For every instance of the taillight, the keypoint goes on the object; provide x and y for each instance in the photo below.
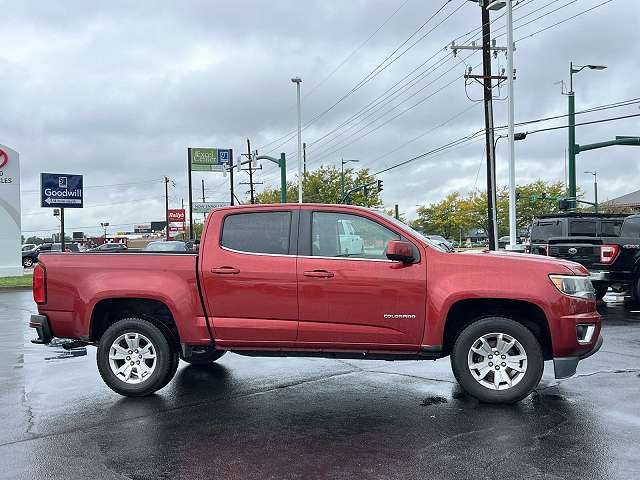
(608, 253)
(39, 284)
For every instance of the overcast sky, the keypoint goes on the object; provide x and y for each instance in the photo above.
(118, 90)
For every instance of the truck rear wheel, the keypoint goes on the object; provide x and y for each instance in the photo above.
(135, 358)
(497, 360)
(204, 357)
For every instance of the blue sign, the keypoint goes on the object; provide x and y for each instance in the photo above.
(223, 156)
(58, 190)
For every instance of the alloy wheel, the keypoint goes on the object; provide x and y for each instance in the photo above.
(497, 361)
(132, 358)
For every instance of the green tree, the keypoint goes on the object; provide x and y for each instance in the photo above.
(462, 213)
(323, 185)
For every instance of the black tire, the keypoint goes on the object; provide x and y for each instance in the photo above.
(27, 262)
(601, 290)
(204, 357)
(635, 291)
(165, 360)
(471, 334)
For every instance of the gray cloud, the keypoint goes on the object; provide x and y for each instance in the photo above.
(118, 90)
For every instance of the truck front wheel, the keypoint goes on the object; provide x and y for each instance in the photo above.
(135, 358)
(497, 360)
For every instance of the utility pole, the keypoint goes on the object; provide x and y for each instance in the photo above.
(488, 124)
(166, 204)
(304, 157)
(595, 189)
(231, 179)
(250, 172)
(513, 227)
(204, 215)
(251, 162)
(486, 80)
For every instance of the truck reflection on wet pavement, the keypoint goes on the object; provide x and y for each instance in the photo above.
(313, 418)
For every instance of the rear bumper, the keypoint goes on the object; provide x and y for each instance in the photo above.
(565, 367)
(610, 276)
(41, 324)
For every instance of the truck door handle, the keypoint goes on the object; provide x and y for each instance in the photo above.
(225, 270)
(318, 274)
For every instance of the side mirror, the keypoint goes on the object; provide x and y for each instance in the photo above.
(400, 251)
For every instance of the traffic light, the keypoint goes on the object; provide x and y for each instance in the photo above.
(380, 186)
(564, 204)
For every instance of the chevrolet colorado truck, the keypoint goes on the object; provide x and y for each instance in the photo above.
(277, 280)
(612, 261)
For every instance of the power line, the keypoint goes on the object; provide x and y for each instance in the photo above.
(356, 50)
(372, 74)
(603, 120)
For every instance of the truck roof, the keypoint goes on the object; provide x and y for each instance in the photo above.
(583, 215)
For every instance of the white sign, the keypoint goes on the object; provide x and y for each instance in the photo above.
(206, 207)
(10, 222)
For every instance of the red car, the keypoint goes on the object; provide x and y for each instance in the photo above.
(275, 279)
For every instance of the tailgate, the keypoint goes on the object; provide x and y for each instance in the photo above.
(585, 251)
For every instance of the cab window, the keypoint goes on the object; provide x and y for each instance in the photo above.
(350, 236)
(259, 232)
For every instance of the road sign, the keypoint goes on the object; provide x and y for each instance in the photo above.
(206, 207)
(177, 228)
(176, 215)
(58, 190)
(210, 159)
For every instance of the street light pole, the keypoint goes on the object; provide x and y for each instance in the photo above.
(572, 129)
(595, 189)
(282, 163)
(298, 81)
(513, 228)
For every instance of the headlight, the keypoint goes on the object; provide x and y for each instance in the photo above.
(574, 286)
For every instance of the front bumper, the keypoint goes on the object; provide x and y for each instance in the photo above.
(565, 367)
(41, 324)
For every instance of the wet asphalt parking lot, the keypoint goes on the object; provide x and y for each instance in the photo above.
(267, 418)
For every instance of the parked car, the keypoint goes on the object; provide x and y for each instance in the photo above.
(545, 227)
(30, 257)
(108, 247)
(166, 246)
(350, 242)
(612, 261)
(272, 280)
(443, 242)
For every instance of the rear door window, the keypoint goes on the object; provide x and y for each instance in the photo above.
(582, 228)
(631, 228)
(610, 228)
(544, 230)
(260, 232)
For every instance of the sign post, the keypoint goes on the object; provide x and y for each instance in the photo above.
(60, 190)
(10, 221)
(207, 160)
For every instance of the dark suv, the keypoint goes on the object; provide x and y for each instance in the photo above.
(566, 225)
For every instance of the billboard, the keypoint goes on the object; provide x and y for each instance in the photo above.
(158, 226)
(176, 215)
(10, 221)
(60, 190)
(142, 228)
(77, 235)
(209, 159)
(206, 207)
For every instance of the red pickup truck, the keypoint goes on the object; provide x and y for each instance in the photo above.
(282, 280)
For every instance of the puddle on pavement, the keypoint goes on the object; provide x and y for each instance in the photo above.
(433, 400)
(60, 353)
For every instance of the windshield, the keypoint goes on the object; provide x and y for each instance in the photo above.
(415, 233)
